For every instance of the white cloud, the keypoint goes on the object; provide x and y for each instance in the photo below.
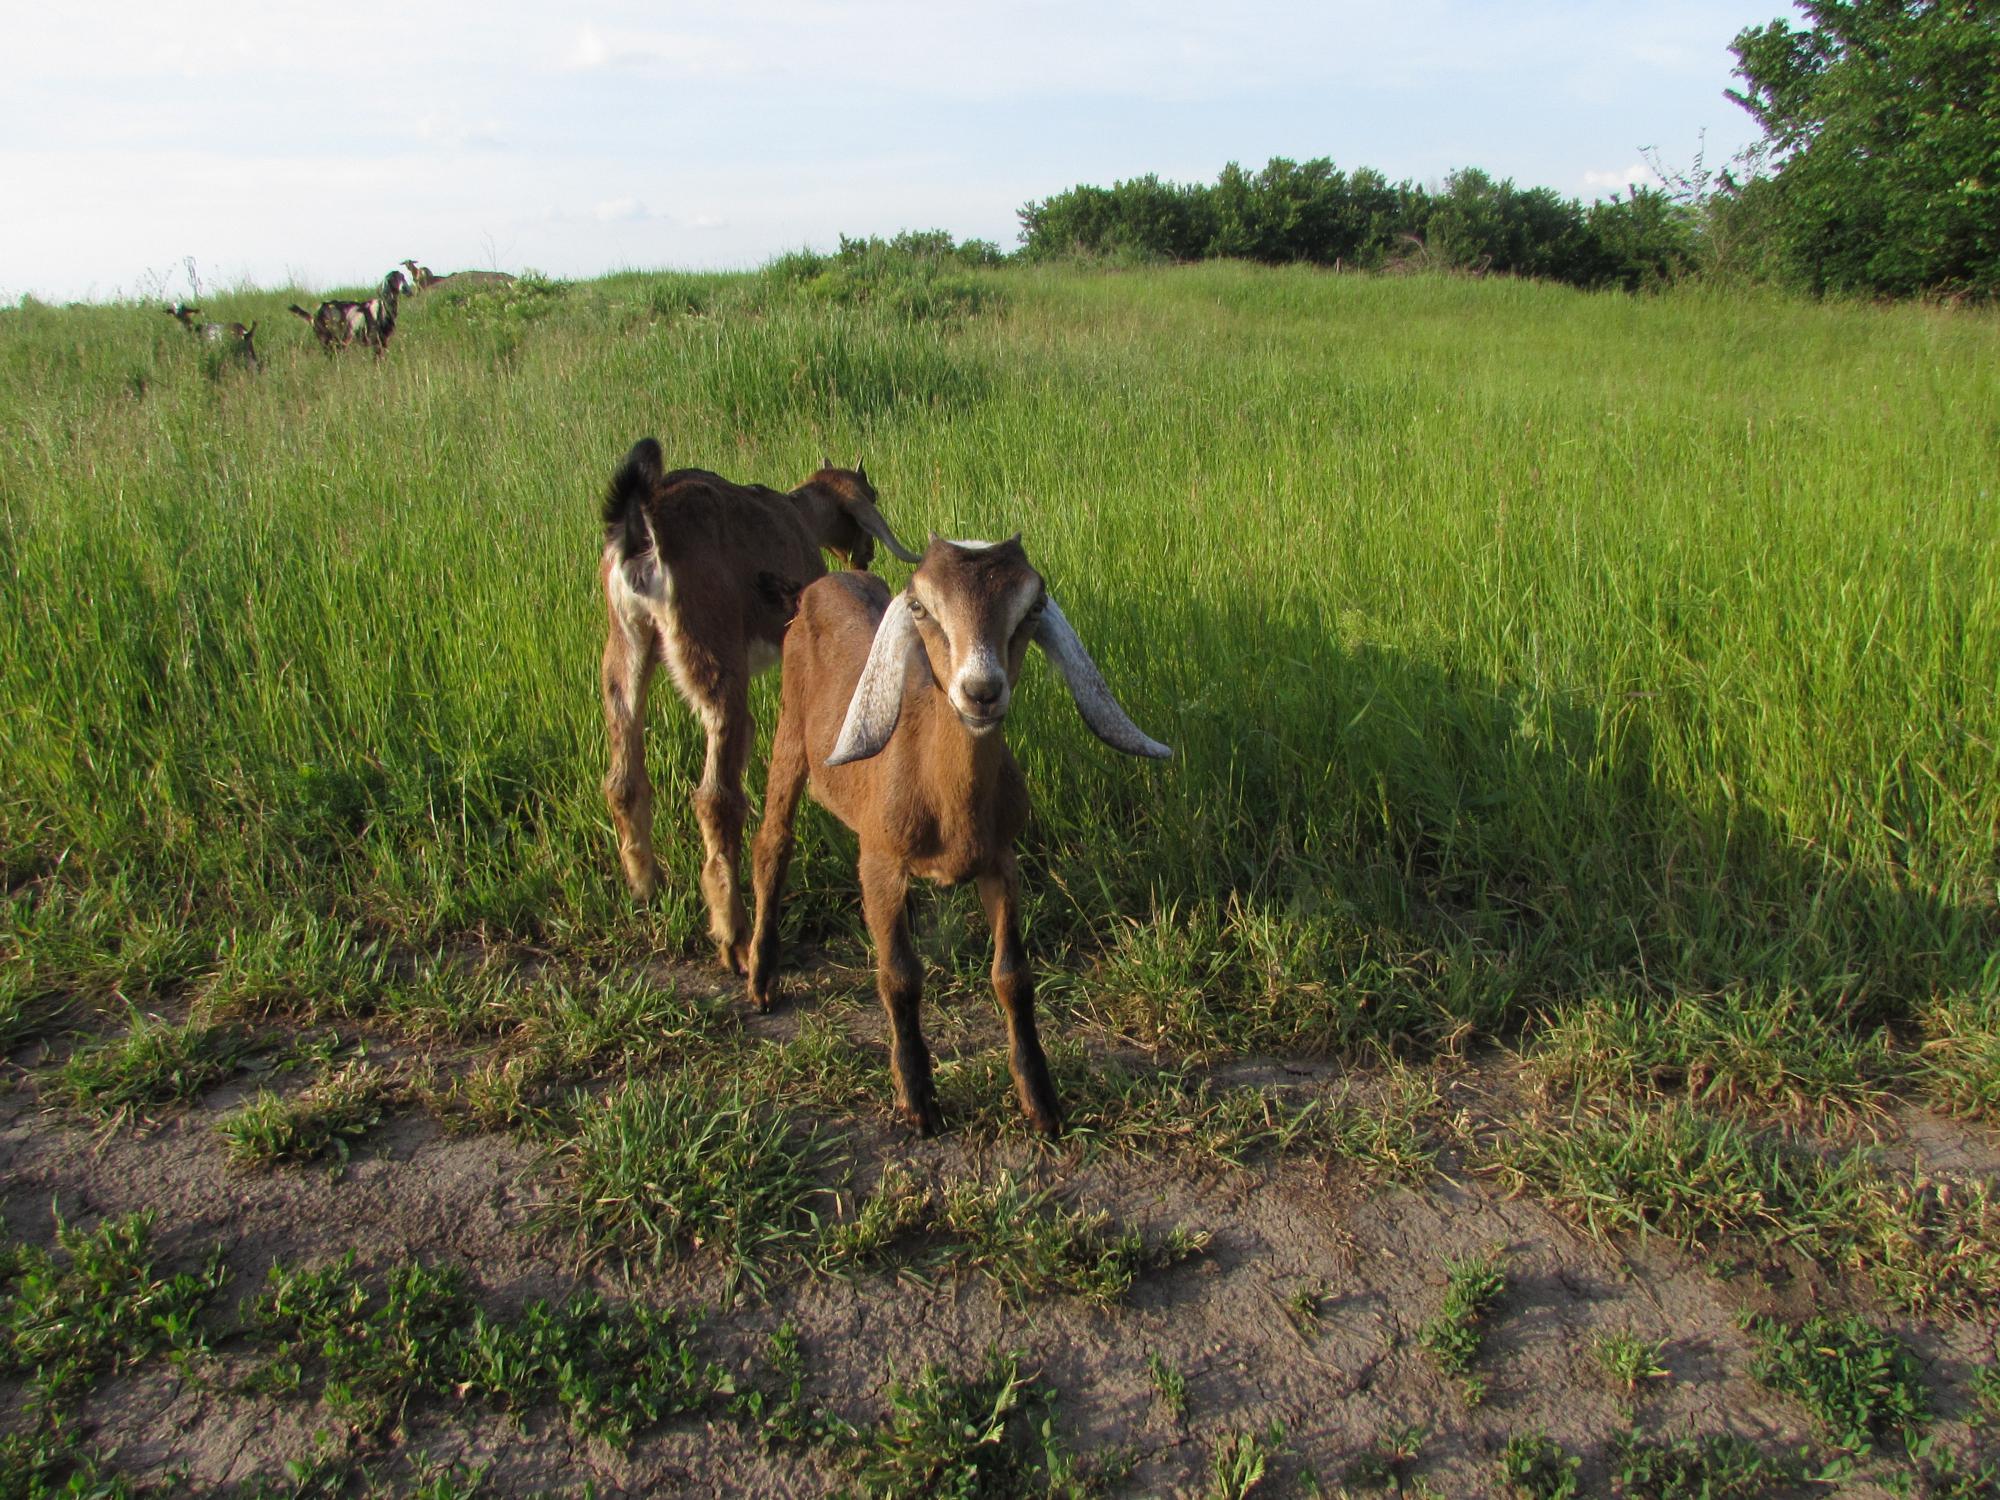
(1636, 175)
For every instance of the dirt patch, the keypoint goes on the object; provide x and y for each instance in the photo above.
(1306, 1309)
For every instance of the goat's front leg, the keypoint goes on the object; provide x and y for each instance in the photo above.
(771, 856)
(899, 977)
(630, 654)
(1014, 988)
(720, 807)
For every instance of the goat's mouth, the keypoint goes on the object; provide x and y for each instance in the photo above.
(984, 723)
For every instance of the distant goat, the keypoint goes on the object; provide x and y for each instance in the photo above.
(337, 323)
(891, 710)
(704, 575)
(462, 281)
(421, 278)
(244, 339)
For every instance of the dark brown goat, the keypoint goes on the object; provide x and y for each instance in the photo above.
(891, 710)
(704, 575)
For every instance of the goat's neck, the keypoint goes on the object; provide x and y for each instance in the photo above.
(962, 767)
(818, 511)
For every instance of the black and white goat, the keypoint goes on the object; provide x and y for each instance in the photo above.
(243, 339)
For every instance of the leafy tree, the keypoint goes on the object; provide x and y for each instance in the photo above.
(1883, 117)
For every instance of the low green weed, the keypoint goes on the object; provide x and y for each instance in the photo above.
(611, 1370)
(1169, 1384)
(1718, 1466)
(1533, 1466)
(97, 1305)
(49, 1463)
(1629, 1360)
(1238, 1461)
(373, 1352)
(376, 1344)
(779, 1412)
(1858, 1381)
(988, 1434)
(1457, 1334)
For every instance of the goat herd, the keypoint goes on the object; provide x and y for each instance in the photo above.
(336, 323)
(890, 712)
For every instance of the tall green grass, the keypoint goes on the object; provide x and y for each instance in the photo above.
(1519, 647)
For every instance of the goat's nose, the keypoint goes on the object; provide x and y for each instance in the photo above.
(985, 691)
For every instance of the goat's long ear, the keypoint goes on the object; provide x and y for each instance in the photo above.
(1100, 710)
(878, 697)
(869, 519)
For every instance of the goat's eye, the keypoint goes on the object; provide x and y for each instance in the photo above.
(916, 610)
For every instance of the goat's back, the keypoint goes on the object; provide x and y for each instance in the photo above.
(735, 556)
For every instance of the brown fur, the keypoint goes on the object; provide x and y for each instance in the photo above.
(704, 575)
(940, 801)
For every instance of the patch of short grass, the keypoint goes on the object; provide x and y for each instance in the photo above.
(661, 1167)
(1629, 1360)
(554, 1033)
(1860, 1382)
(155, 1063)
(968, 1437)
(99, 1303)
(1021, 1239)
(1763, 1056)
(1959, 1062)
(322, 1121)
(1456, 1335)
(1928, 1241)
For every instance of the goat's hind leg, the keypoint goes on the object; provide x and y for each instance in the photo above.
(899, 977)
(630, 654)
(1014, 988)
(720, 807)
(771, 855)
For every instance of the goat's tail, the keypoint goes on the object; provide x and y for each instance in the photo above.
(302, 312)
(625, 502)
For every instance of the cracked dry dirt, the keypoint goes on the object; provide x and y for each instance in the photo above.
(1374, 1252)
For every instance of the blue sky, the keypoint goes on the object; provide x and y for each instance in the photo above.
(277, 142)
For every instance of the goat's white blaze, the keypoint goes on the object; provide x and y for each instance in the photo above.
(982, 657)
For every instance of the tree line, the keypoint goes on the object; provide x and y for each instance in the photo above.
(1878, 174)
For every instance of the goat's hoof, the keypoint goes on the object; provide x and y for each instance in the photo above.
(923, 1118)
(734, 956)
(1045, 1122)
(644, 882)
(760, 1003)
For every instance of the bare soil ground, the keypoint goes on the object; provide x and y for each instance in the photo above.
(1304, 1310)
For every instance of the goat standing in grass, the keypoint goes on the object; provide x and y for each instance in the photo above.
(336, 323)
(421, 277)
(892, 710)
(245, 339)
(704, 575)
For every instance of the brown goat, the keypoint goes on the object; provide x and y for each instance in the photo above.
(705, 575)
(891, 710)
